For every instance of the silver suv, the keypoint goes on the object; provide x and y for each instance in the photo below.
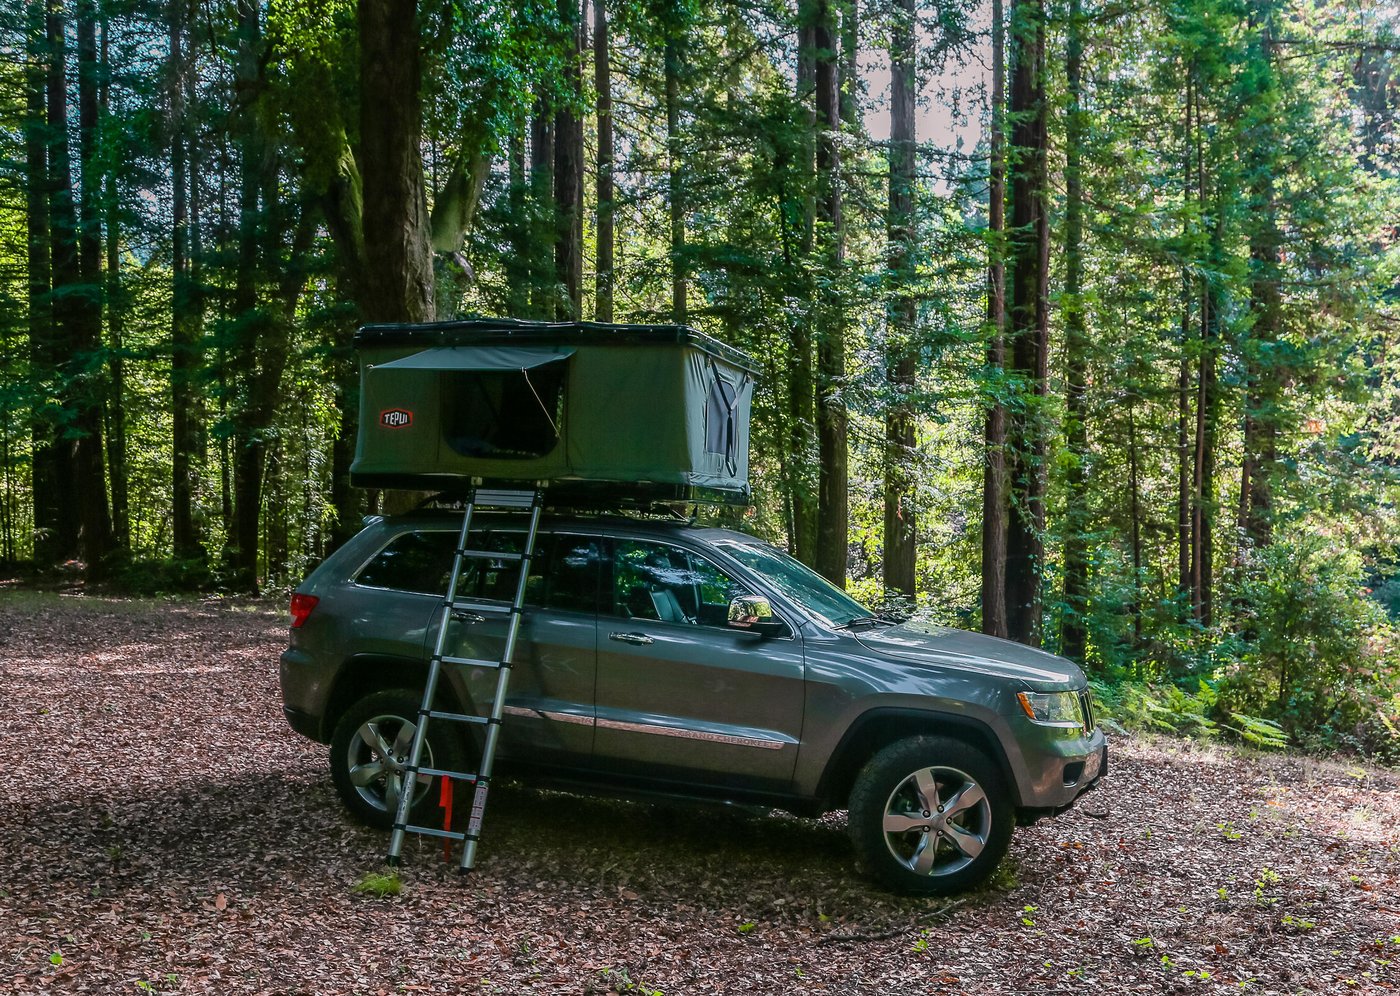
(667, 659)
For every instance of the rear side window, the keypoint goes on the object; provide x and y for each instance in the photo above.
(563, 573)
(418, 562)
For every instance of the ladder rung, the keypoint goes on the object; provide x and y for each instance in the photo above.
(456, 717)
(461, 776)
(504, 499)
(495, 607)
(435, 832)
(471, 662)
(491, 554)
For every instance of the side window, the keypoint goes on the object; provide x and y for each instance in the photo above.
(666, 583)
(418, 562)
(571, 573)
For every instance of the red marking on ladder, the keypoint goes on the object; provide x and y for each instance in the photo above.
(445, 801)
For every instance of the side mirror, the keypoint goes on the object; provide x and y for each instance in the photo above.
(755, 614)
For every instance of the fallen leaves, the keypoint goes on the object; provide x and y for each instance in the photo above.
(166, 831)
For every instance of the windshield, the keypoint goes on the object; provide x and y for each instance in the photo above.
(799, 582)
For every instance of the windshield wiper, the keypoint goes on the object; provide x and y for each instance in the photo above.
(861, 621)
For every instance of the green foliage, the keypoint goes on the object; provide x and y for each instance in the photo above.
(1316, 659)
(379, 884)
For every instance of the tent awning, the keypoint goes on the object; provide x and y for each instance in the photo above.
(481, 358)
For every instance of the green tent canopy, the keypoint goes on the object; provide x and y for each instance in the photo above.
(635, 412)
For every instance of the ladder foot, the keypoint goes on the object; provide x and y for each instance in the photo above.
(392, 861)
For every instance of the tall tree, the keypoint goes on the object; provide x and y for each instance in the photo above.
(602, 83)
(186, 302)
(832, 479)
(38, 265)
(1029, 330)
(994, 483)
(900, 356)
(1076, 561)
(399, 270)
(568, 167)
(674, 28)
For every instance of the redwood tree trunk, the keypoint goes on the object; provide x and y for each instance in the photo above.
(568, 172)
(832, 499)
(994, 484)
(602, 82)
(185, 357)
(399, 270)
(1029, 328)
(44, 455)
(64, 513)
(675, 38)
(900, 356)
(1073, 632)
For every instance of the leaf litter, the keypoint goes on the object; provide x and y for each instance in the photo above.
(168, 833)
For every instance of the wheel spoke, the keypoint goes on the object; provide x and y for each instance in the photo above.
(928, 788)
(964, 799)
(365, 774)
(404, 741)
(925, 856)
(391, 791)
(969, 843)
(903, 822)
(370, 734)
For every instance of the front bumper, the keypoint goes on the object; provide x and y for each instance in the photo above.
(1077, 776)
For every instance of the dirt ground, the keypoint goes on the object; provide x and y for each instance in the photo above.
(166, 832)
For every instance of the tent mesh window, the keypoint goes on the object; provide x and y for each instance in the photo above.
(503, 414)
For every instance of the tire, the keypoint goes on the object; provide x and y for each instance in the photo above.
(895, 816)
(367, 785)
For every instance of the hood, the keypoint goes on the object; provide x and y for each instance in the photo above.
(926, 643)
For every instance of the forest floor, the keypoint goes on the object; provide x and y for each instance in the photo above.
(164, 831)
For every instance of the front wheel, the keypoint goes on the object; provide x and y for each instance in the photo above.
(930, 815)
(370, 748)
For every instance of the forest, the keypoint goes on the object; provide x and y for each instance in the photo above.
(1079, 318)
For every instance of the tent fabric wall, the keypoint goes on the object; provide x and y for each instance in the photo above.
(659, 410)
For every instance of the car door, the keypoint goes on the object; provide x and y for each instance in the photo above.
(680, 693)
(548, 712)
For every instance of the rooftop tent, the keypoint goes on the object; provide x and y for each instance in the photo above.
(643, 411)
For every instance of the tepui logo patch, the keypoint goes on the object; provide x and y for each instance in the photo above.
(396, 418)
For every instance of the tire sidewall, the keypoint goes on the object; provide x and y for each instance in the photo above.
(885, 771)
(445, 747)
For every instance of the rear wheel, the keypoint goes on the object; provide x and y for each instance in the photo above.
(930, 815)
(370, 748)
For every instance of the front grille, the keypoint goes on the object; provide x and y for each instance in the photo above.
(1086, 706)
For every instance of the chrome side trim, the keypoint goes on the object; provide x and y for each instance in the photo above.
(558, 717)
(670, 731)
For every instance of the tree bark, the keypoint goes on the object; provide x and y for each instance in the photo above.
(900, 357)
(44, 454)
(1073, 632)
(994, 483)
(602, 82)
(832, 498)
(517, 265)
(1185, 451)
(115, 296)
(63, 540)
(1029, 328)
(568, 171)
(543, 230)
(185, 359)
(674, 29)
(802, 412)
(399, 264)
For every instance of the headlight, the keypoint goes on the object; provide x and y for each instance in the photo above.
(1052, 708)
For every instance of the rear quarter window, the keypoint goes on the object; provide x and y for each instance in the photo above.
(417, 562)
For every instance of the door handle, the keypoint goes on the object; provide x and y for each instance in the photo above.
(641, 639)
(469, 618)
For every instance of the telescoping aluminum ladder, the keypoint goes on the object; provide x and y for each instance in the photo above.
(477, 498)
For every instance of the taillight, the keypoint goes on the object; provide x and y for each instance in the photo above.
(301, 608)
